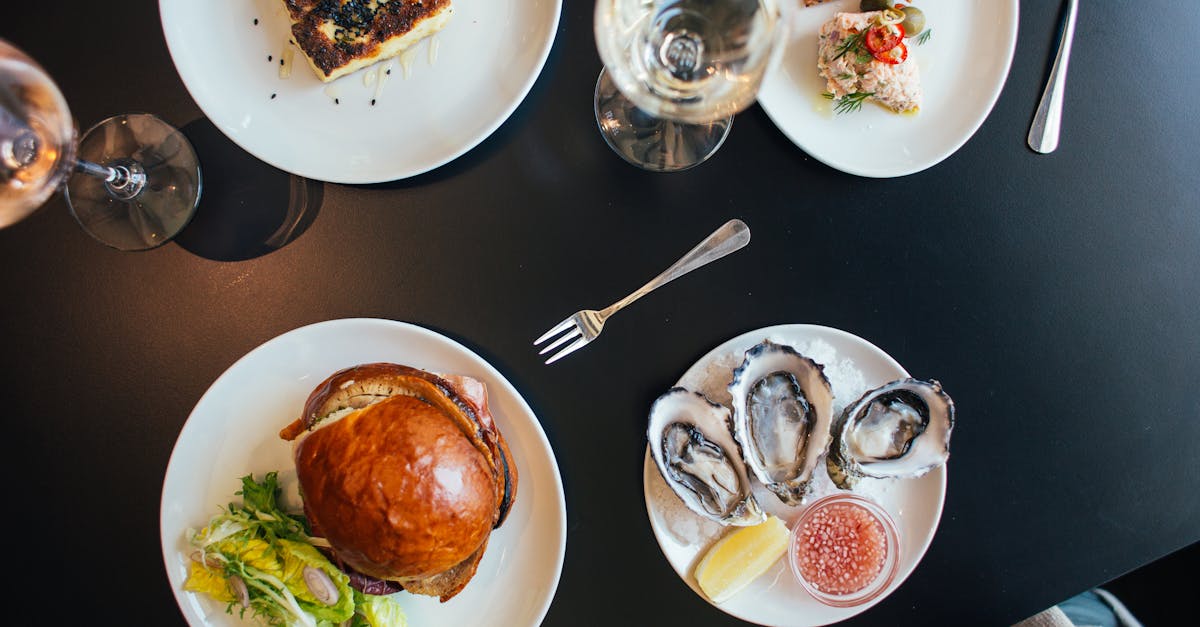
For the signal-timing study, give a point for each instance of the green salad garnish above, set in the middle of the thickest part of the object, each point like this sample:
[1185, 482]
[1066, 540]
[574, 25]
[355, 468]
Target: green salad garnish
[259, 559]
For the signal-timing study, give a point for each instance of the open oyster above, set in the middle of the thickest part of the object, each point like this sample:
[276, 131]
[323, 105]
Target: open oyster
[695, 452]
[900, 429]
[782, 409]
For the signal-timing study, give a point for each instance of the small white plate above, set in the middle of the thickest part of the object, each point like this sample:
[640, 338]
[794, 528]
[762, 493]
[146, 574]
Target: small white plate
[234, 430]
[853, 366]
[963, 68]
[456, 94]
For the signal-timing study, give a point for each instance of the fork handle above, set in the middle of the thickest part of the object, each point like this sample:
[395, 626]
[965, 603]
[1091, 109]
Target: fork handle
[1043, 133]
[733, 235]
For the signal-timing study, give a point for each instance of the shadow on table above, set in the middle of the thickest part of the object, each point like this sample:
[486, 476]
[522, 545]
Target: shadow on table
[247, 207]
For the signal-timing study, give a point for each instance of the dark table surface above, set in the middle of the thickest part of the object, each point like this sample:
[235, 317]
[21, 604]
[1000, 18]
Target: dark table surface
[1054, 296]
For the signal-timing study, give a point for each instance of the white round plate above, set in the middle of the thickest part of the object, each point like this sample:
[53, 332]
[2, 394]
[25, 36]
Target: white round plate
[454, 96]
[234, 431]
[963, 68]
[853, 366]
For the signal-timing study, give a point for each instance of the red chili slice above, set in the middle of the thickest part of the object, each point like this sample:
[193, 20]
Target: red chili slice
[880, 39]
[894, 56]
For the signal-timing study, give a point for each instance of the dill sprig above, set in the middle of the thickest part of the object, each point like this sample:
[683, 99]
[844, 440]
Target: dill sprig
[923, 38]
[853, 43]
[850, 102]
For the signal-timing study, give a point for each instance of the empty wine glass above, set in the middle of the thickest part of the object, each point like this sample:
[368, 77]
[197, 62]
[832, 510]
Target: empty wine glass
[676, 71]
[132, 181]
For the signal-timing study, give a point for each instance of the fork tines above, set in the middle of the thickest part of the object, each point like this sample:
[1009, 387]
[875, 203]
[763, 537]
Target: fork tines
[570, 331]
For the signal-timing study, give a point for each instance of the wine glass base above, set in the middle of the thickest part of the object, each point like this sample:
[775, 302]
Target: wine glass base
[165, 191]
[649, 142]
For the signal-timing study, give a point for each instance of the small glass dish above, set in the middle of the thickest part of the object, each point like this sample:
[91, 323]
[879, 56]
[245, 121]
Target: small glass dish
[839, 568]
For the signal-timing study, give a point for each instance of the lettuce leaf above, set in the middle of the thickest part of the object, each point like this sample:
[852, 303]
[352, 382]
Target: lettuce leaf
[297, 556]
[260, 502]
[378, 611]
[208, 581]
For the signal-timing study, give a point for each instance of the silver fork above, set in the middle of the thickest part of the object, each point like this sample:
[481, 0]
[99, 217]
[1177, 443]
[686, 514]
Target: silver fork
[584, 325]
[1047, 120]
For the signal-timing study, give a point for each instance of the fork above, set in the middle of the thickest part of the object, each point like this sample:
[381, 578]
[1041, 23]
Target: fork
[585, 325]
[1047, 120]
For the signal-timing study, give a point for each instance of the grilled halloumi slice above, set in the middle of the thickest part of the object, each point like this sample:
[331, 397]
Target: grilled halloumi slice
[341, 36]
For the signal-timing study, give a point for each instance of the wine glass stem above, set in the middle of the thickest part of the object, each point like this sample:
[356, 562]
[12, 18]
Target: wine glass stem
[98, 171]
[122, 180]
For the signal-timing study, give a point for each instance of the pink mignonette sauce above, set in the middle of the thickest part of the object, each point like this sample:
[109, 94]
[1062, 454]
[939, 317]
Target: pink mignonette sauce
[841, 548]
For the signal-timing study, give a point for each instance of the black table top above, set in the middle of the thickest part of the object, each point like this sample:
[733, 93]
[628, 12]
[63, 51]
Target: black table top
[1049, 294]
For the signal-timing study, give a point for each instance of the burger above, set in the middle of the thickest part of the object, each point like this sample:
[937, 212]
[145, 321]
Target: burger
[404, 474]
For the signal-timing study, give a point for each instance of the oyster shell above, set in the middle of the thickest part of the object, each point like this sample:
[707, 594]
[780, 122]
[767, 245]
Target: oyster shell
[900, 429]
[782, 409]
[698, 458]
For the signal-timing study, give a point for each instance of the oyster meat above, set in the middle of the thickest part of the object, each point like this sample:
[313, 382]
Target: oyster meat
[782, 409]
[698, 458]
[900, 429]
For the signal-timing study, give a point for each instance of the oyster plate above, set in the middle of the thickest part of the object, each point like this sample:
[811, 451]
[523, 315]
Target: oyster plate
[775, 599]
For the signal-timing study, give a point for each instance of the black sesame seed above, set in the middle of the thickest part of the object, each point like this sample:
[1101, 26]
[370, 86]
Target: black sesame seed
[389, 71]
[270, 58]
[273, 96]
[372, 102]
[256, 21]
[337, 101]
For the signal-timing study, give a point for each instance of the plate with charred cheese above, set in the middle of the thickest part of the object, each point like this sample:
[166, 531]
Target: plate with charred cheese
[359, 91]
[887, 88]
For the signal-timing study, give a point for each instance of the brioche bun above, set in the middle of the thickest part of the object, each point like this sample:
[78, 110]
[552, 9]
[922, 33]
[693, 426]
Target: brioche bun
[404, 474]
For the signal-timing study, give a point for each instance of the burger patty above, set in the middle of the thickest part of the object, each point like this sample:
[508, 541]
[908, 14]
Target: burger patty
[341, 36]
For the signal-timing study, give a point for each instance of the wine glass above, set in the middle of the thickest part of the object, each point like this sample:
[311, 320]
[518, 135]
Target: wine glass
[676, 71]
[132, 181]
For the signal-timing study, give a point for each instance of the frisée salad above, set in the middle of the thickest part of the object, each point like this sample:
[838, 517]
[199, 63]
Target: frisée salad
[262, 562]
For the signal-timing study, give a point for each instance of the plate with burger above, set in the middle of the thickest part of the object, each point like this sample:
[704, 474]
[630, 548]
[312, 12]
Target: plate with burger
[391, 476]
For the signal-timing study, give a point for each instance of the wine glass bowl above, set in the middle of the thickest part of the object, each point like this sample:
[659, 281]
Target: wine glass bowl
[37, 136]
[677, 71]
[132, 181]
[687, 60]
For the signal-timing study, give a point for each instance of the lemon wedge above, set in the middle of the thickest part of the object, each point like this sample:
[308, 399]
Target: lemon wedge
[739, 557]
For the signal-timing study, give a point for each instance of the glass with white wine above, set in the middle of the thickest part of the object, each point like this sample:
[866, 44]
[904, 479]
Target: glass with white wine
[676, 72]
[132, 181]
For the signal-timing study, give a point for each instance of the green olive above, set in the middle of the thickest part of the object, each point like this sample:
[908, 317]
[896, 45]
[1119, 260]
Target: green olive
[875, 5]
[914, 21]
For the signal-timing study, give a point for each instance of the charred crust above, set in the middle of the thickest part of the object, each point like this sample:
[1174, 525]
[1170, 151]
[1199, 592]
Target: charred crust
[353, 19]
